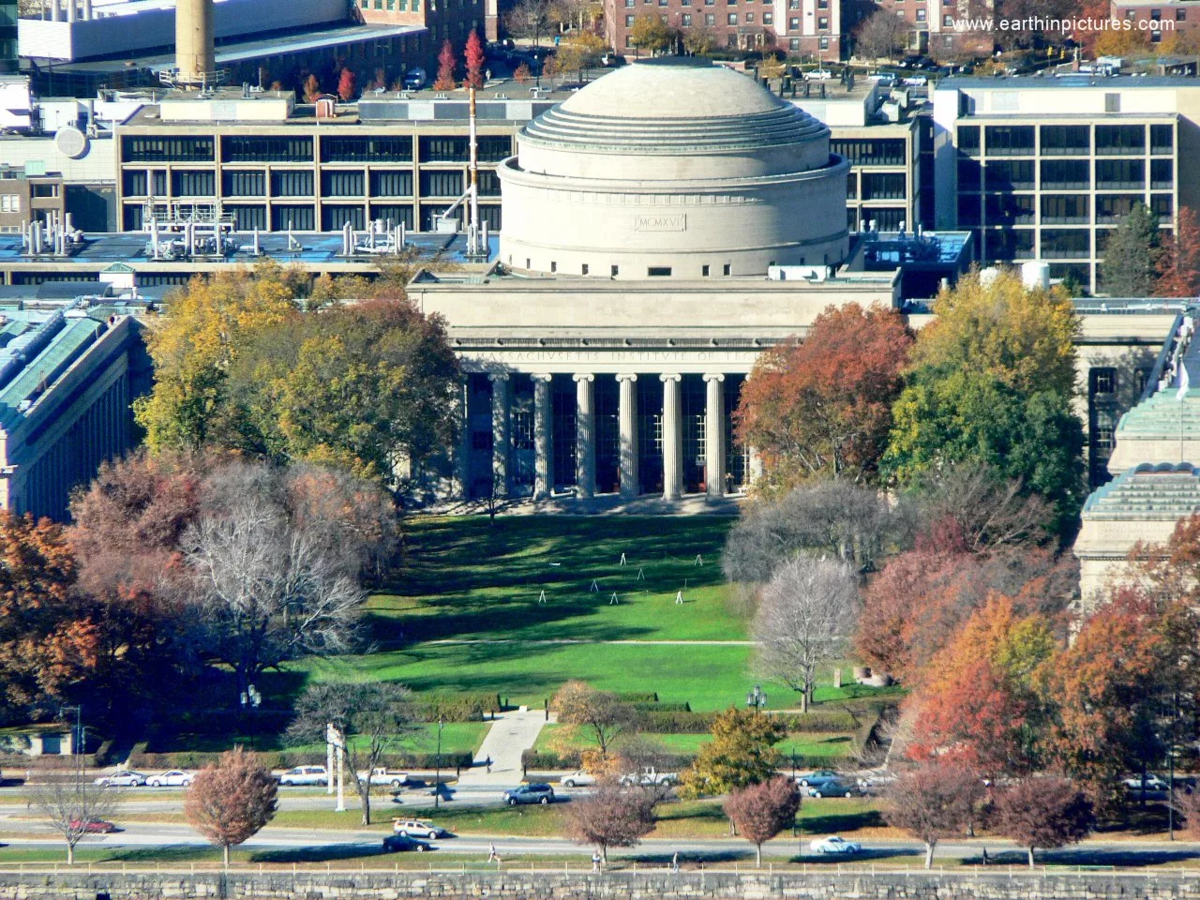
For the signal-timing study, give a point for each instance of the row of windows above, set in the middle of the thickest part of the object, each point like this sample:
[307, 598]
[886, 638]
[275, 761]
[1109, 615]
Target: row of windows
[874, 152]
[1055, 243]
[1066, 140]
[339, 148]
[285, 183]
[1058, 209]
[1018, 174]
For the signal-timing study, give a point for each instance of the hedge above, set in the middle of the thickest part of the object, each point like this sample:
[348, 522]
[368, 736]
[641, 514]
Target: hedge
[637, 696]
[673, 721]
[641, 706]
[456, 707]
[285, 759]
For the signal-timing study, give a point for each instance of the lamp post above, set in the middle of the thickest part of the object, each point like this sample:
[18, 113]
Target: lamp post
[757, 699]
[437, 779]
[250, 699]
[77, 737]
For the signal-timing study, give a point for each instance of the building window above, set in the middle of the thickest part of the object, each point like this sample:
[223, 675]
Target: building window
[342, 184]
[749, 18]
[266, 149]
[553, 266]
[616, 270]
[292, 184]
[244, 184]
[794, 44]
[823, 43]
[1112, 102]
[920, 15]
[727, 269]
[947, 21]
[687, 19]
[10, 203]
[1181, 15]
[193, 184]
[732, 18]
[659, 272]
[823, 23]
[180, 149]
[385, 183]
[629, 21]
[1104, 380]
[584, 269]
[710, 19]
[1105, 432]
[794, 23]
[360, 148]
[768, 18]
[704, 271]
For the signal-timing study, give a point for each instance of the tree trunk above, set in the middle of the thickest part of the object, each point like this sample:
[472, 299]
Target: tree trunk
[604, 853]
[225, 854]
[929, 845]
[1031, 857]
[758, 856]
[804, 700]
[70, 854]
[365, 796]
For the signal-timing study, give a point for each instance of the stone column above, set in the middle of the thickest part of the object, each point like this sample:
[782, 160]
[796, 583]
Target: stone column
[500, 438]
[543, 412]
[585, 438]
[628, 426]
[672, 445]
[714, 436]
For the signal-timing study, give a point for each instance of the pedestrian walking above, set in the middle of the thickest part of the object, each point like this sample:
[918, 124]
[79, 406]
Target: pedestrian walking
[493, 856]
[595, 860]
[675, 861]
[488, 762]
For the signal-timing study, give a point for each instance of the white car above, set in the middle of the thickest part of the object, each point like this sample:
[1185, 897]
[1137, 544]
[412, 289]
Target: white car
[1153, 783]
[122, 779]
[834, 844]
[916, 81]
[818, 75]
[174, 778]
[578, 778]
[305, 775]
[417, 828]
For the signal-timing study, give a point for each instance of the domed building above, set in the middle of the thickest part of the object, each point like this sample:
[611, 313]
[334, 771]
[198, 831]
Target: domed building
[673, 168]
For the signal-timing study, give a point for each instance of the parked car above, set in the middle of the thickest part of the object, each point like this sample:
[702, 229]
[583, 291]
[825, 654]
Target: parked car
[415, 79]
[835, 845]
[818, 75]
[578, 778]
[834, 787]
[1153, 783]
[400, 843]
[305, 775]
[174, 778]
[649, 776]
[383, 775]
[887, 79]
[122, 779]
[530, 793]
[916, 81]
[804, 779]
[422, 828]
[93, 826]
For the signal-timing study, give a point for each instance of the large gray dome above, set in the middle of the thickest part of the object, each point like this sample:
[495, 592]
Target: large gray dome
[673, 168]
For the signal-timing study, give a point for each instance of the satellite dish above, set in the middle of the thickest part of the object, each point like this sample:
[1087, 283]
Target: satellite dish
[71, 142]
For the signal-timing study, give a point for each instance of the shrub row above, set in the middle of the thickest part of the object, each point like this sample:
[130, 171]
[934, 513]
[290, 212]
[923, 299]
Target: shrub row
[661, 707]
[541, 760]
[637, 696]
[285, 759]
[456, 707]
[677, 721]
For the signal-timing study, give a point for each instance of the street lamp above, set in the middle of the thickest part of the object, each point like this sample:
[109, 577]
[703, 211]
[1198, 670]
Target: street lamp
[251, 699]
[78, 733]
[756, 698]
[437, 780]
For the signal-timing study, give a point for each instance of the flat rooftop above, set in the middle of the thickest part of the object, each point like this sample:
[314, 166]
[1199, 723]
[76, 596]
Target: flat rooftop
[1074, 80]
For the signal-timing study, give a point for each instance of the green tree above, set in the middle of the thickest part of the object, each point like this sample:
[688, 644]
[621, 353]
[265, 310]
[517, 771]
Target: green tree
[651, 33]
[579, 52]
[742, 752]
[991, 382]
[1131, 255]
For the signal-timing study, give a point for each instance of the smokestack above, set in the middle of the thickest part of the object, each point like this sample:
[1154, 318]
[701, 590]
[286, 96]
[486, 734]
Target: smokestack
[195, 56]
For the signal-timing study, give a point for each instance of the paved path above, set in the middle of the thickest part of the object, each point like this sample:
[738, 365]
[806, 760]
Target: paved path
[510, 736]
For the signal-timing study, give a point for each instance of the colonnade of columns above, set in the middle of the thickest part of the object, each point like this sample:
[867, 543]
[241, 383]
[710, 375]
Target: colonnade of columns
[586, 427]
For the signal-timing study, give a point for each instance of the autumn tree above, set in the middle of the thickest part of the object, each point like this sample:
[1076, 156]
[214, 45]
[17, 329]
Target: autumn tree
[598, 716]
[474, 57]
[821, 407]
[882, 35]
[761, 811]
[579, 52]
[346, 84]
[741, 753]
[992, 382]
[522, 75]
[373, 719]
[447, 63]
[1131, 255]
[806, 614]
[650, 32]
[699, 39]
[610, 816]
[1043, 813]
[231, 801]
[312, 89]
[71, 801]
[936, 800]
[1179, 266]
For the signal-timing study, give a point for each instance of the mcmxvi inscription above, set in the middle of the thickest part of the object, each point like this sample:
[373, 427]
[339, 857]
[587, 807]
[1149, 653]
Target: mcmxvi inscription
[676, 222]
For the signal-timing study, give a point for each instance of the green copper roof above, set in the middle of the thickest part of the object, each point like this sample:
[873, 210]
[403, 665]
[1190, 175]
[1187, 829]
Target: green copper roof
[1165, 491]
[1162, 416]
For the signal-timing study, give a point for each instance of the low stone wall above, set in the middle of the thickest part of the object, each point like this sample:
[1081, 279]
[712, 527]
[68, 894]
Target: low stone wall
[547, 885]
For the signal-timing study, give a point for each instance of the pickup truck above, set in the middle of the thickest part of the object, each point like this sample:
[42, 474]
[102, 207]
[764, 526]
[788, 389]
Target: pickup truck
[649, 776]
[381, 775]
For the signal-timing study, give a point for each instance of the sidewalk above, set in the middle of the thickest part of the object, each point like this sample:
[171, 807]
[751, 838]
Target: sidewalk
[510, 735]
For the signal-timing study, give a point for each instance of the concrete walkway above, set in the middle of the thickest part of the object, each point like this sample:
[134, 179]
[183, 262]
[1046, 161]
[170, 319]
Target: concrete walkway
[511, 735]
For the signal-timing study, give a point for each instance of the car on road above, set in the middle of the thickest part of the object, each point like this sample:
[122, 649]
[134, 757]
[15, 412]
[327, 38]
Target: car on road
[529, 793]
[805, 779]
[93, 826]
[649, 776]
[415, 79]
[400, 843]
[916, 81]
[174, 778]
[578, 778]
[833, 787]
[834, 845]
[122, 779]
[421, 828]
[300, 775]
[818, 75]
[886, 79]
[381, 775]
[1153, 783]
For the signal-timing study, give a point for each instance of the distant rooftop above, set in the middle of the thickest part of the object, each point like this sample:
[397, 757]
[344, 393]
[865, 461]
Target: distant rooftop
[1073, 80]
[1167, 491]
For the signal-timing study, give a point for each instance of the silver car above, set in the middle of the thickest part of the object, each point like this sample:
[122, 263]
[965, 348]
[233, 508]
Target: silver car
[122, 779]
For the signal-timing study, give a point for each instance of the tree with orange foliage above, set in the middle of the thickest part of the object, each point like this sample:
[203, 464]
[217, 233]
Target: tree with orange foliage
[522, 75]
[474, 58]
[447, 63]
[822, 406]
[231, 801]
[978, 701]
[1179, 267]
[346, 85]
[312, 89]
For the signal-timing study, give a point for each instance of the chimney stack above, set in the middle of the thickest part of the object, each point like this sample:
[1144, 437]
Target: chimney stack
[195, 56]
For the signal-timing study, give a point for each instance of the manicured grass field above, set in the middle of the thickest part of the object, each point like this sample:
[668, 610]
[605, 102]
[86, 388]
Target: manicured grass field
[832, 746]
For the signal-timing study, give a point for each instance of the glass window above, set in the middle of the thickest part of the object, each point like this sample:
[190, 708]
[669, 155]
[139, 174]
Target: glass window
[1103, 380]
[244, 184]
[193, 184]
[1065, 209]
[1121, 173]
[167, 149]
[342, 184]
[1066, 140]
[1113, 140]
[364, 148]
[1066, 173]
[1009, 140]
[1162, 138]
[291, 184]
[968, 139]
[240, 148]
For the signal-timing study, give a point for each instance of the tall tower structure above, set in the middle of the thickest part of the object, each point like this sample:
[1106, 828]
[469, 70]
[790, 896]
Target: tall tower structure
[195, 56]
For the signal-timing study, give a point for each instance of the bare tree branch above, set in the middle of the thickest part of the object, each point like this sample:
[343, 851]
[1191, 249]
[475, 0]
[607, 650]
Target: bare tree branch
[73, 804]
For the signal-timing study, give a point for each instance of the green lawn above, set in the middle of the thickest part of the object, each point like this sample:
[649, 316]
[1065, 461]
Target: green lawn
[832, 746]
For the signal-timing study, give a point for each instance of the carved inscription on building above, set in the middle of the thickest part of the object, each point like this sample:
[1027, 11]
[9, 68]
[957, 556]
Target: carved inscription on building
[660, 222]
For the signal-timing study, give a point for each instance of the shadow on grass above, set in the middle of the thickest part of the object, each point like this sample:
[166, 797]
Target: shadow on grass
[835, 823]
[692, 857]
[325, 853]
[862, 856]
[168, 854]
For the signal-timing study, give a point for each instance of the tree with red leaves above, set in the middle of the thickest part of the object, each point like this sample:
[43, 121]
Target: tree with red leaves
[611, 816]
[231, 801]
[936, 800]
[346, 84]
[1044, 813]
[822, 406]
[761, 811]
[447, 63]
[1179, 267]
[474, 59]
[312, 89]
